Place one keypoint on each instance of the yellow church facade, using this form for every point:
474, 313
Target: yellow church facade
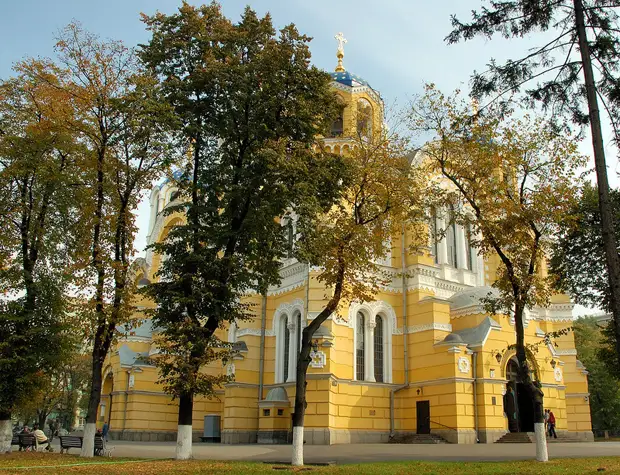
424, 359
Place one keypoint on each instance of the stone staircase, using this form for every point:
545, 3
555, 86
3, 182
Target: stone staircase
529, 438
516, 438
418, 439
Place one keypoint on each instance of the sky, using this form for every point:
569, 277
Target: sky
396, 45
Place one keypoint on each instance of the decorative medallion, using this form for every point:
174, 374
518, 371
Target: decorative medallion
463, 364
558, 374
318, 359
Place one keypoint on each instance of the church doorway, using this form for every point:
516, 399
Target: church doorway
518, 405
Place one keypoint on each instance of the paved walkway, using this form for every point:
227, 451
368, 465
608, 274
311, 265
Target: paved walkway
357, 453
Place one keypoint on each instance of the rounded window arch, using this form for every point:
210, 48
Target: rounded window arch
337, 128
360, 346
364, 118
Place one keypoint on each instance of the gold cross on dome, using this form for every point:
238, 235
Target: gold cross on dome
341, 41
340, 53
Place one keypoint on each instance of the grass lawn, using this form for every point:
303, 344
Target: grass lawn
21, 463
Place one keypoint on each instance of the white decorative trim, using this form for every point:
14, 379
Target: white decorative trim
253, 332
561, 352
287, 309
446, 327
293, 276
454, 349
372, 309
463, 364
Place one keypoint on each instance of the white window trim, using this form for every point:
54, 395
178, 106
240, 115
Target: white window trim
288, 312
370, 315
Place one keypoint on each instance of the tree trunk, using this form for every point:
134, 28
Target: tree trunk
6, 432
607, 225
534, 392
184, 430
42, 416
303, 361
90, 428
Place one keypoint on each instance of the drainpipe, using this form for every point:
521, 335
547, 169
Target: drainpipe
261, 368
125, 406
393, 391
475, 387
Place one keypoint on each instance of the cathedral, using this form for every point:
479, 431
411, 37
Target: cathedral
423, 360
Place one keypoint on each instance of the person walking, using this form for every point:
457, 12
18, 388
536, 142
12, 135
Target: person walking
546, 421
104, 430
551, 424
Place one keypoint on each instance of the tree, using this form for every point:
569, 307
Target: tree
381, 195
514, 182
123, 126
250, 106
576, 67
58, 391
578, 262
579, 255
603, 385
37, 164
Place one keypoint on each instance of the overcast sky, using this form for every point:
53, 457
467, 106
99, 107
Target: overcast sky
396, 45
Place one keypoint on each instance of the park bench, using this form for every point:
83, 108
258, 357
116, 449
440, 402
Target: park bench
15, 440
74, 442
27, 441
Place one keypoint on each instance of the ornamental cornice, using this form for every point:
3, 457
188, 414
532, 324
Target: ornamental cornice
253, 332
358, 89
471, 310
445, 327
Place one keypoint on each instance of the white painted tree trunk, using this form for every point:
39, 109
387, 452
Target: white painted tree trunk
184, 442
6, 435
298, 446
88, 441
541, 442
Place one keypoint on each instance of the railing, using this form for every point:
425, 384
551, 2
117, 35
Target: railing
439, 424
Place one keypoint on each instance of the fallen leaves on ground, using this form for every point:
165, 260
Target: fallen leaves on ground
21, 463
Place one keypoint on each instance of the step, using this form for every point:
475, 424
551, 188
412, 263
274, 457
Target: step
529, 437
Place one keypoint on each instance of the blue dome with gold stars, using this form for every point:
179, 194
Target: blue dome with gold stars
349, 79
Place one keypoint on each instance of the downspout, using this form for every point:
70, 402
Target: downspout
475, 388
125, 405
393, 391
261, 368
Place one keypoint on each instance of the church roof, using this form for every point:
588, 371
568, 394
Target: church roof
472, 337
129, 357
349, 79
471, 297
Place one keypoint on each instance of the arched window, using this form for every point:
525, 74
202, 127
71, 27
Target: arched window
298, 348
378, 356
232, 332
434, 235
287, 349
176, 194
451, 239
337, 128
359, 347
364, 119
